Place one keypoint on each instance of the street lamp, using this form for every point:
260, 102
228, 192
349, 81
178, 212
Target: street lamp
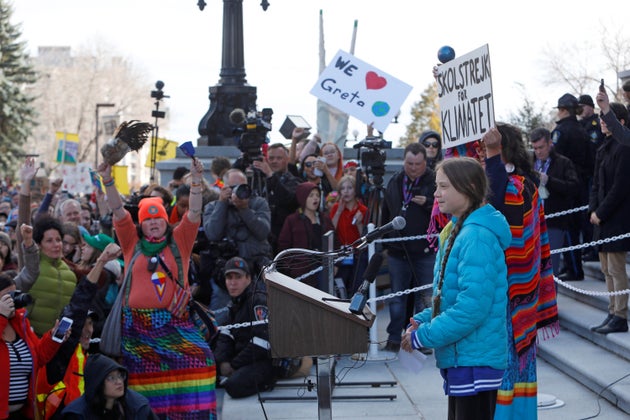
98, 106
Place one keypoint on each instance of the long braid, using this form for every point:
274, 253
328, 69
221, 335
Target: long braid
447, 252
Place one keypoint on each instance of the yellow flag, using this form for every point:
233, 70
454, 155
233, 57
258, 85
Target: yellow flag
165, 150
119, 174
67, 147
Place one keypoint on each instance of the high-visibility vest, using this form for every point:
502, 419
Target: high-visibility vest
71, 387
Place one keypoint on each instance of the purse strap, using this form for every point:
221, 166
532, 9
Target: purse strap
126, 285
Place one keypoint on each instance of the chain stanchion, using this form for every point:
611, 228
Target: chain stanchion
569, 286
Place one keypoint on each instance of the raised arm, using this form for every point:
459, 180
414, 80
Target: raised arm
195, 201
113, 196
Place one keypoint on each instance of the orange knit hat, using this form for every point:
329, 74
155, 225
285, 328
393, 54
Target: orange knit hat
150, 208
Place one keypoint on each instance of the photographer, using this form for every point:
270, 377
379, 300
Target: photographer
280, 184
240, 217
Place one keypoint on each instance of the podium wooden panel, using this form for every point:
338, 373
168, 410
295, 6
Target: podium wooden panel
303, 323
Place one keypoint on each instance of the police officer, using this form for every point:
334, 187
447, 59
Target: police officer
590, 122
571, 140
243, 354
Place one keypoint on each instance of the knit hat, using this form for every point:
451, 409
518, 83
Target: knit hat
98, 241
151, 208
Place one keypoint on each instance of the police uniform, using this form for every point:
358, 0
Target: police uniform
247, 349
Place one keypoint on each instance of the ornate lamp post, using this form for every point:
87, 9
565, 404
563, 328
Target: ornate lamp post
232, 90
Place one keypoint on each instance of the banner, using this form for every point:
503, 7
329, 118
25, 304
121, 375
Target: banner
361, 90
67, 147
464, 87
166, 149
119, 173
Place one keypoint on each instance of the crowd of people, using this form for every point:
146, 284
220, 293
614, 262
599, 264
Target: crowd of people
152, 254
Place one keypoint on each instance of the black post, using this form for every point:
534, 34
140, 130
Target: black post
232, 90
158, 94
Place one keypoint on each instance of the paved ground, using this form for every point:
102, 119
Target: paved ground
417, 396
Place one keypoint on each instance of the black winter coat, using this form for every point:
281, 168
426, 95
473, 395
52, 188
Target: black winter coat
610, 195
243, 346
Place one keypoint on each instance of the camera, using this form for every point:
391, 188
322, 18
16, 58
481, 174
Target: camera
374, 158
242, 191
252, 129
20, 299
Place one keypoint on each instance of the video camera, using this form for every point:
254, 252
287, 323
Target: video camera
252, 129
373, 159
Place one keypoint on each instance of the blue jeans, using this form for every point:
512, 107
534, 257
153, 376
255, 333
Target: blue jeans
401, 278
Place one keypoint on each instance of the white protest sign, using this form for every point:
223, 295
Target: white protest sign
464, 87
361, 90
76, 178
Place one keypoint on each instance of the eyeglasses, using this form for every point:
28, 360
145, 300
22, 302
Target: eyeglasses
115, 377
309, 164
431, 144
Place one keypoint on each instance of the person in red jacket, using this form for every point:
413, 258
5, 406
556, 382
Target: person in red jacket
22, 353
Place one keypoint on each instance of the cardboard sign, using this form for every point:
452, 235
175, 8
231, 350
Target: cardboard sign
361, 90
464, 87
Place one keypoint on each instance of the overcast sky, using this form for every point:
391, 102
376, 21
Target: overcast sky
173, 41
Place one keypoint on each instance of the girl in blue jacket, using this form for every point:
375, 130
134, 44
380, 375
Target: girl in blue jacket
467, 323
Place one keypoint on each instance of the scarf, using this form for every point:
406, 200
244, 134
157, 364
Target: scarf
152, 246
531, 290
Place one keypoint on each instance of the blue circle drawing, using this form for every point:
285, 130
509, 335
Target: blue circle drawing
380, 108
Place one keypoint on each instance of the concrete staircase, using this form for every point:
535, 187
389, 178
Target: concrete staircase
599, 362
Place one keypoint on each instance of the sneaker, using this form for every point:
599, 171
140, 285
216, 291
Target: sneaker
391, 346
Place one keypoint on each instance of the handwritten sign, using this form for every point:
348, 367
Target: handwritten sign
361, 90
464, 88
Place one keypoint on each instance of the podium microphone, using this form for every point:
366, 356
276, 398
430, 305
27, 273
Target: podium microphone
397, 223
360, 297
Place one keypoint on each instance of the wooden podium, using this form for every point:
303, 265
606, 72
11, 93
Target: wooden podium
304, 321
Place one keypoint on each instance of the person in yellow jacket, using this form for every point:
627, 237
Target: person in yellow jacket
61, 381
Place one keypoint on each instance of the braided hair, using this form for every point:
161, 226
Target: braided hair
468, 177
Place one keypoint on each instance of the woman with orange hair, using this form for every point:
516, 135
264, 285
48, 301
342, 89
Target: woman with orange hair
333, 170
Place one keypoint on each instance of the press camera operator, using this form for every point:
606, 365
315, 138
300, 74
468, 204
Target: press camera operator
241, 218
280, 186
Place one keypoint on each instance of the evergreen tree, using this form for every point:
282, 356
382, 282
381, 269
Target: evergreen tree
425, 116
16, 106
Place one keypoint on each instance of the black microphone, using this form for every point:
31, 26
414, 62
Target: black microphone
397, 223
237, 116
360, 297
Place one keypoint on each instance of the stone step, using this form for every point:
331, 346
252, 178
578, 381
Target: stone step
591, 365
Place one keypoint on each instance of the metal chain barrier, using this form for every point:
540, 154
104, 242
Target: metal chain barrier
427, 286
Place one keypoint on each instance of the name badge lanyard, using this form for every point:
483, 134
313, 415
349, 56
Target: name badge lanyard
408, 185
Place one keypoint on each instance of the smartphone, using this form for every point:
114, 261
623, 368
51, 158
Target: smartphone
60, 333
602, 88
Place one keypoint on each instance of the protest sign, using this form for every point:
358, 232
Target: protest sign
464, 87
361, 90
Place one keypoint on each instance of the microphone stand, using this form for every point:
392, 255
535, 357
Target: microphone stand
326, 363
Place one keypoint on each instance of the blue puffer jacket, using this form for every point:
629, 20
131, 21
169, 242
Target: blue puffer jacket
471, 328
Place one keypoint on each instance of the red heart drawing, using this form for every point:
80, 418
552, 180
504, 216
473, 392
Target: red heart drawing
374, 81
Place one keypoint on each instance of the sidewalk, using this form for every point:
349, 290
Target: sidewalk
416, 396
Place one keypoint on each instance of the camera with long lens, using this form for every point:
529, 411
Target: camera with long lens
20, 299
251, 129
242, 191
372, 156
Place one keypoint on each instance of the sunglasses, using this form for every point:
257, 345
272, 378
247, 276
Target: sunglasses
430, 144
309, 164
